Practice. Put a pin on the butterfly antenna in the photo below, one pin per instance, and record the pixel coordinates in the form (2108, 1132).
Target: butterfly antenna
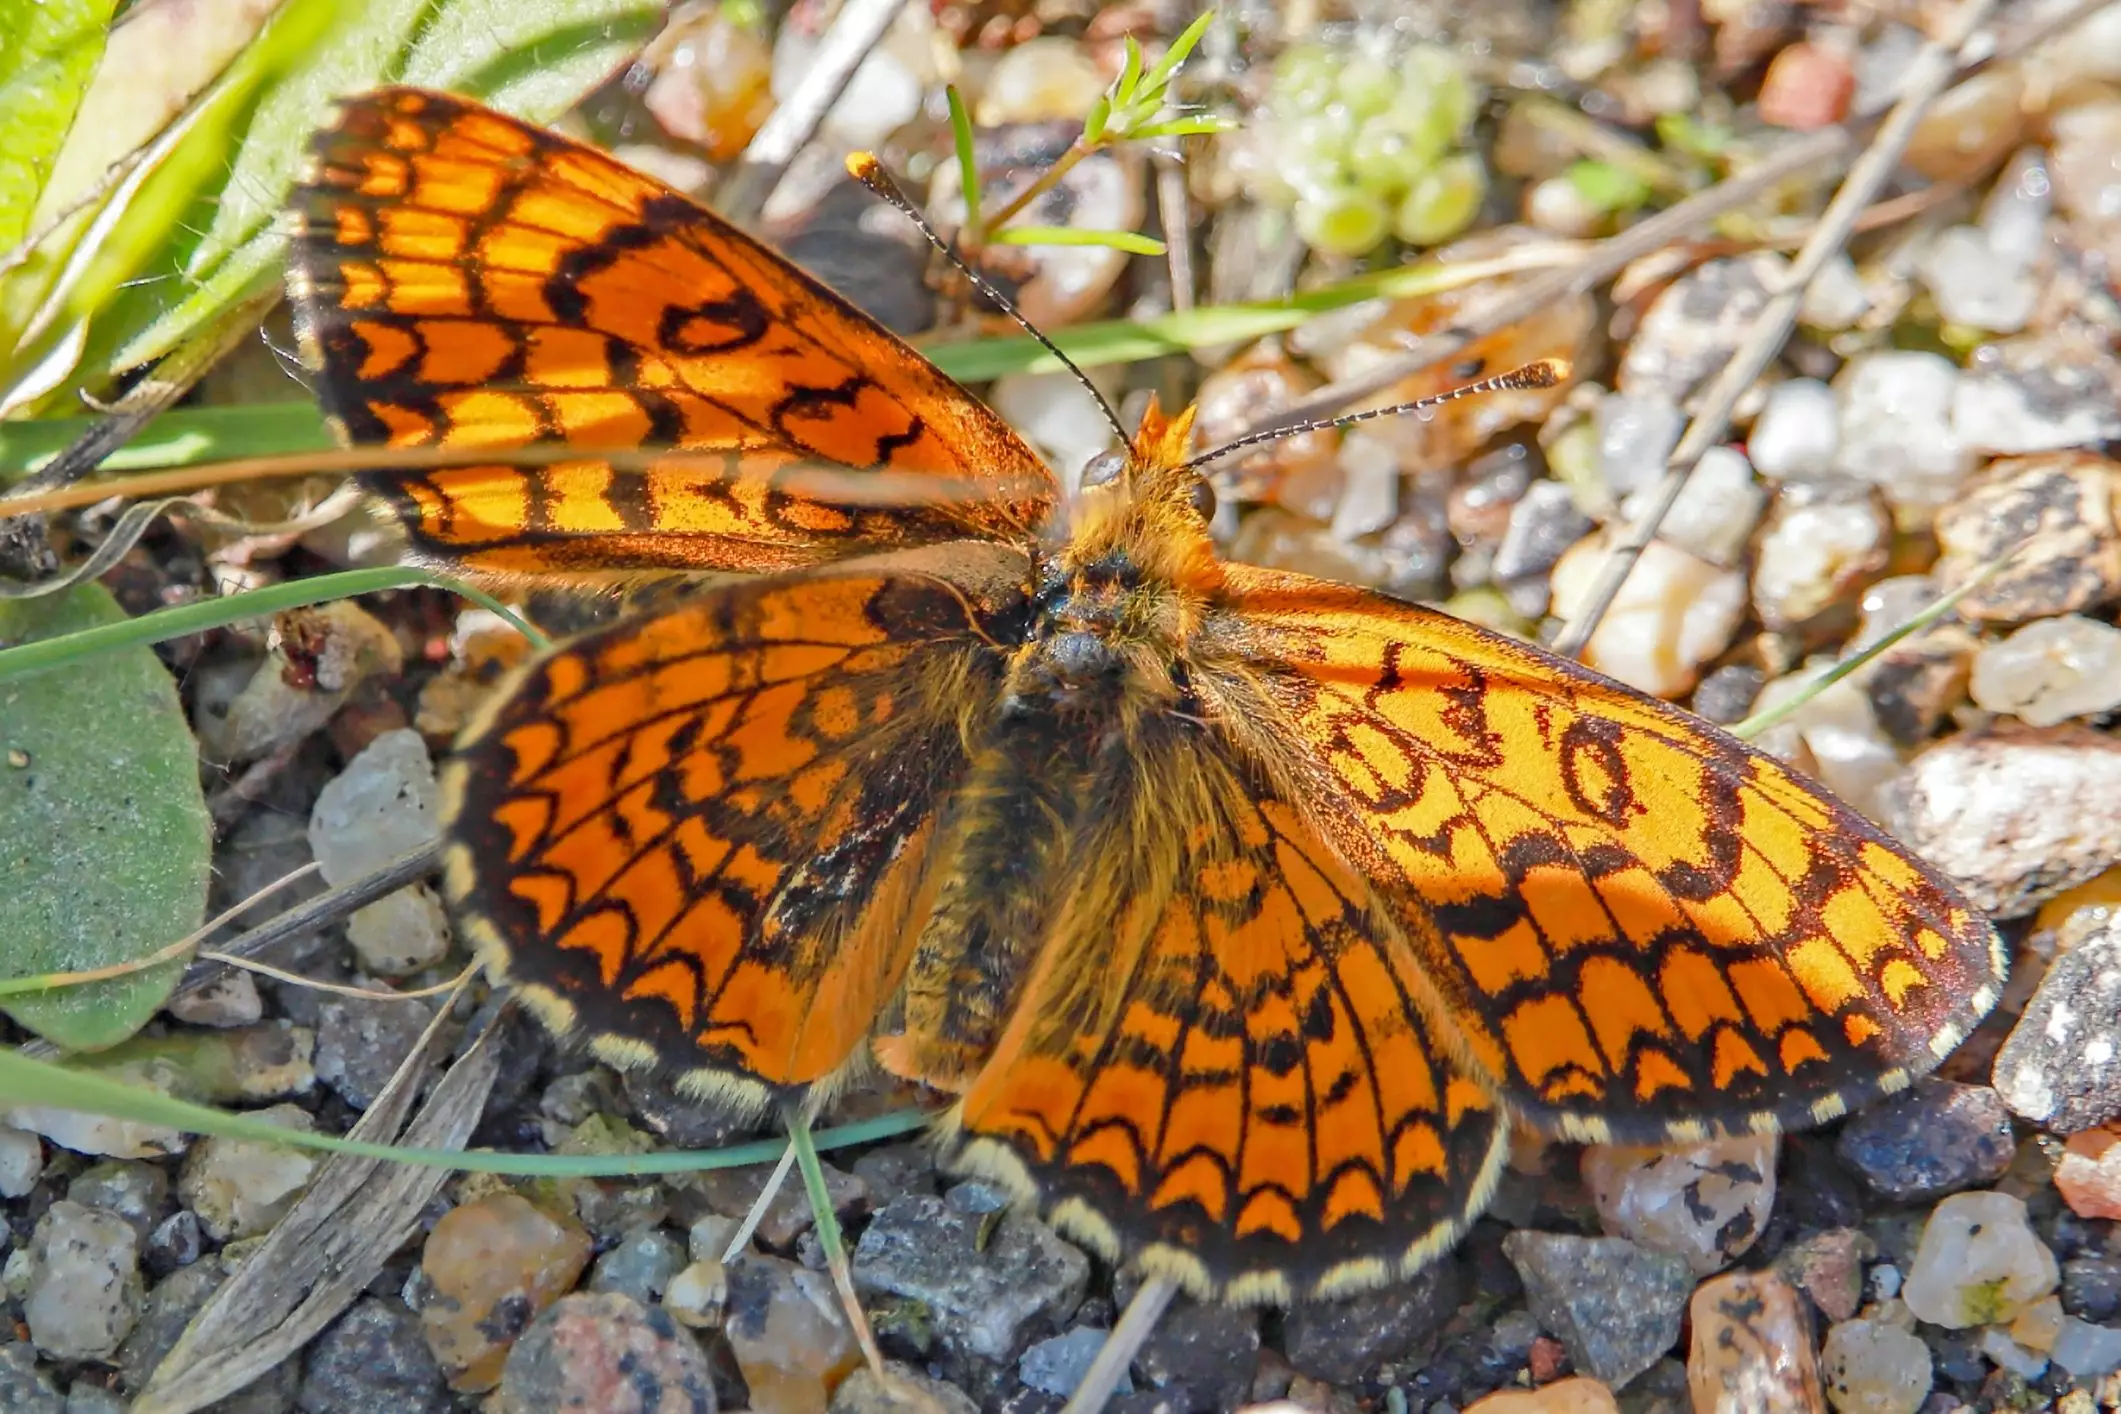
(1545, 373)
(864, 168)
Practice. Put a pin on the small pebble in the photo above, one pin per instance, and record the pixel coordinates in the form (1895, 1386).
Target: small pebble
(1206, 1353)
(2050, 671)
(1039, 81)
(382, 806)
(85, 1290)
(2091, 1287)
(1978, 1262)
(489, 1267)
(2085, 1350)
(1819, 547)
(790, 1337)
(1616, 1306)
(319, 656)
(2061, 1065)
(21, 1161)
(2031, 397)
(1807, 86)
(1975, 284)
(241, 1187)
(1673, 614)
(1057, 1364)
(2037, 1326)
(176, 1242)
(1369, 498)
(372, 1359)
(1896, 428)
(641, 1265)
(2008, 1354)
(1636, 433)
(2089, 1174)
(1828, 1267)
(1056, 415)
(609, 1353)
(1835, 299)
(1835, 736)
(698, 1295)
(1580, 1395)
(361, 1042)
(1871, 1367)
(733, 1192)
(136, 1192)
(1692, 328)
(1716, 510)
(1344, 1342)
(991, 1286)
(1752, 1346)
(2051, 520)
(2013, 818)
(1932, 1139)
(1797, 432)
(24, 1387)
(1706, 1203)
(902, 1390)
(228, 1000)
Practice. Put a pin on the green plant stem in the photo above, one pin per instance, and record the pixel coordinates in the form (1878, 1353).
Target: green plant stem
(1047, 181)
(804, 1144)
(165, 624)
(24, 1081)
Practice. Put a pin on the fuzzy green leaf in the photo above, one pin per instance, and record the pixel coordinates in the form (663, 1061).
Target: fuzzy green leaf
(104, 835)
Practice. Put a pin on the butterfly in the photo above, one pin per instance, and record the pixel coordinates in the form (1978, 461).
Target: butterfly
(1239, 912)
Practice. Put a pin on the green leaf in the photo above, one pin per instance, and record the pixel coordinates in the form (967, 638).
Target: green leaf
(1160, 77)
(104, 835)
(1125, 86)
(1094, 125)
(1129, 241)
(1606, 186)
(967, 159)
(1192, 126)
(52, 47)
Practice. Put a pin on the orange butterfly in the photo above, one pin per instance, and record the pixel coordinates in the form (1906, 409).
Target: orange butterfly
(1237, 909)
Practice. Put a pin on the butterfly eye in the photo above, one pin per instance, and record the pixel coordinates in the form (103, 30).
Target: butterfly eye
(1203, 498)
(1105, 466)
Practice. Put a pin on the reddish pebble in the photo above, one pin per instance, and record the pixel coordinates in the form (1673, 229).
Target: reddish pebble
(609, 1353)
(2089, 1176)
(1806, 87)
(1547, 1360)
(491, 1266)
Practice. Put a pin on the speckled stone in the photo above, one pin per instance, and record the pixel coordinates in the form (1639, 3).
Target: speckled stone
(1614, 1305)
(1344, 1342)
(605, 1352)
(2061, 1065)
(1935, 1138)
(372, 1360)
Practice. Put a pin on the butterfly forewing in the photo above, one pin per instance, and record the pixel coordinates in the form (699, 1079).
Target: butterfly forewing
(695, 837)
(1642, 928)
(463, 281)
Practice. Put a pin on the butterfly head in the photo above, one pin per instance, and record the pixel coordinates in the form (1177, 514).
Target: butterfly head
(1118, 599)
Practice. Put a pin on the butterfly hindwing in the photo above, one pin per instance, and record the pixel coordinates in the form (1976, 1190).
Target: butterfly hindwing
(464, 281)
(1643, 928)
(1215, 1064)
(695, 837)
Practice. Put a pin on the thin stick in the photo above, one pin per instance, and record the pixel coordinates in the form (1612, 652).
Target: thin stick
(741, 1238)
(828, 1233)
(1118, 1351)
(1925, 79)
(861, 24)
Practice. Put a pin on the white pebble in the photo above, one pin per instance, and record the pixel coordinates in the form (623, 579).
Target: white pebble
(21, 1161)
(1975, 284)
(380, 807)
(1997, 1345)
(1836, 298)
(1716, 511)
(1812, 551)
(1674, 612)
(241, 1187)
(1834, 736)
(84, 1291)
(1978, 1262)
(2085, 1350)
(1636, 432)
(1896, 427)
(698, 1294)
(1873, 1368)
(1369, 498)
(1797, 432)
(1704, 1202)
(2015, 215)
(2050, 671)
